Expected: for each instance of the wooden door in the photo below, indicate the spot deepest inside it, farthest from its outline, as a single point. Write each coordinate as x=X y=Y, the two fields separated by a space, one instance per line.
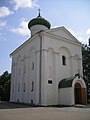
x=78 y=94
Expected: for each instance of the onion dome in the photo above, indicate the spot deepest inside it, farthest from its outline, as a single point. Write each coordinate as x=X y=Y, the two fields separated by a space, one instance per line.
x=39 y=20
x=37 y=24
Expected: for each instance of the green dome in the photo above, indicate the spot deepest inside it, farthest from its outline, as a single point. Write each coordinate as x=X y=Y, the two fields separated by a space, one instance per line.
x=39 y=21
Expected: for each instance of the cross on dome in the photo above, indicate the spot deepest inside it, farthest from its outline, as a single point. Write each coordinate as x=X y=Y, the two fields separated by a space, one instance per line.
x=39 y=12
x=40 y=21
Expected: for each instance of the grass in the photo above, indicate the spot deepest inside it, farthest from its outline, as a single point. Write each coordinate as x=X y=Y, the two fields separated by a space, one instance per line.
x=88 y=101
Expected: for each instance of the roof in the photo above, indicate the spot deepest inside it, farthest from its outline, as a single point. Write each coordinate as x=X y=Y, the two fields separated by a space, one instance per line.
x=62 y=28
x=67 y=82
x=22 y=45
x=39 y=20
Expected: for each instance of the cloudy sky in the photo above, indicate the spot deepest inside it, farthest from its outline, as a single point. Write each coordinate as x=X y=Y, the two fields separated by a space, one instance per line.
x=15 y=14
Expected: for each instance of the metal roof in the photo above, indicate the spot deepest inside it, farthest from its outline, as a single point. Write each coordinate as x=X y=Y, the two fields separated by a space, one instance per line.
x=67 y=82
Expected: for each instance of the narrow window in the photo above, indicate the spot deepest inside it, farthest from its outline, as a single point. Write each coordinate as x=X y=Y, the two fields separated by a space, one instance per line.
x=31 y=101
x=24 y=68
x=18 y=87
x=19 y=71
x=24 y=87
x=17 y=100
x=32 y=86
x=32 y=65
x=63 y=60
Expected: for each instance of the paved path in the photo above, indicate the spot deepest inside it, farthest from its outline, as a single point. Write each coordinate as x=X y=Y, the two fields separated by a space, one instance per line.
x=45 y=113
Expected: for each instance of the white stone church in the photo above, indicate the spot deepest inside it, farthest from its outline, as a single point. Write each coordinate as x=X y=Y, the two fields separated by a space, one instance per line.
x=47 y=68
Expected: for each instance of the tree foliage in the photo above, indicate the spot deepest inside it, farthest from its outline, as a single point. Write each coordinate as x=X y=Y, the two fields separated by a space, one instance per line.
x=86 y=65
x=5 y=86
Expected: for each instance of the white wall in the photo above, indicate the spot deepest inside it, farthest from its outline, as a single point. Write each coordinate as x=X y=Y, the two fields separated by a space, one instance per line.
x=68 y=48
x=37 y=28
x=22 y=72
x=53 y=48
x=66 y=96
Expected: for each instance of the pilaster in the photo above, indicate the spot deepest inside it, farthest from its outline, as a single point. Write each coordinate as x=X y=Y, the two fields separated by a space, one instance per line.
x=55 y=77
x=44 y=77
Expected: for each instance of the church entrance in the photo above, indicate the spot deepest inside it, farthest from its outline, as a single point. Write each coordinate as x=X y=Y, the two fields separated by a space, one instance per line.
x=80 y=94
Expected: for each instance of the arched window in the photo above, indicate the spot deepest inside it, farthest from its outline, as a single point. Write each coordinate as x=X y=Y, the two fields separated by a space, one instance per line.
x=24 y=87
x=24 y=68
x=19 y=71
x=63 y=60
x=18 y=87
x=32 y=65
x=32 y=86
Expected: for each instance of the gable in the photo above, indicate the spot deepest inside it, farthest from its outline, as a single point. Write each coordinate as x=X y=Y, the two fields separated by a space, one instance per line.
x=64 y=33
x=27 y=42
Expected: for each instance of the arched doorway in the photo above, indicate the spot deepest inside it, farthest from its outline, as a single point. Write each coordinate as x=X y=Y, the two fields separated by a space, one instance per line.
x=78 y=93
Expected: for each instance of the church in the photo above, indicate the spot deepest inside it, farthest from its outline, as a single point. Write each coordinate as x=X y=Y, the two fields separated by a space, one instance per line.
x=47 y=68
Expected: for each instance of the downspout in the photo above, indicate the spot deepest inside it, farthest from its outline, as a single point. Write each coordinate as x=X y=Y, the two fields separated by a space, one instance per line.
x=40 y=66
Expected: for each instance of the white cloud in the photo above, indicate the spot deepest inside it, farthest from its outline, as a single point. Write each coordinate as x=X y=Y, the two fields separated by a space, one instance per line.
x=88 y=32
x=4 y=11
x=22 y=29
x=24 y=3
x=2 y=23
x=2 y=37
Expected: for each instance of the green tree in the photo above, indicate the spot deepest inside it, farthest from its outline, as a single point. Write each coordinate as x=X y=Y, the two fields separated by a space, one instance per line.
x=5 y=86
x=86 y=66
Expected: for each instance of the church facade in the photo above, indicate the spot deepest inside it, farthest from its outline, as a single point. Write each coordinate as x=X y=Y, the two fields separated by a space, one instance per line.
x=47 y=68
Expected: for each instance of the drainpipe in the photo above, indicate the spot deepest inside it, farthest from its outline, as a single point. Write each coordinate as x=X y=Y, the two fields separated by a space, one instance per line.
x=40 y=66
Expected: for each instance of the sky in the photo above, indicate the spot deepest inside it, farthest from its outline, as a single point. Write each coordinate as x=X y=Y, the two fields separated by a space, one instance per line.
x=74 y=15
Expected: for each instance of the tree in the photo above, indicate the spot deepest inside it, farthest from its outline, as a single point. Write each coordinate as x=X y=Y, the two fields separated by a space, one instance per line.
x=86 y=66
x=5 y=86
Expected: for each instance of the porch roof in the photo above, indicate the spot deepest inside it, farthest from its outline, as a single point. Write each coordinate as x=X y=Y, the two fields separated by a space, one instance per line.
x=67 y=82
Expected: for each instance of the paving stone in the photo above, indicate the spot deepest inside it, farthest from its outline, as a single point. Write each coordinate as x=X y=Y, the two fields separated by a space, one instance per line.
x=42 y=113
